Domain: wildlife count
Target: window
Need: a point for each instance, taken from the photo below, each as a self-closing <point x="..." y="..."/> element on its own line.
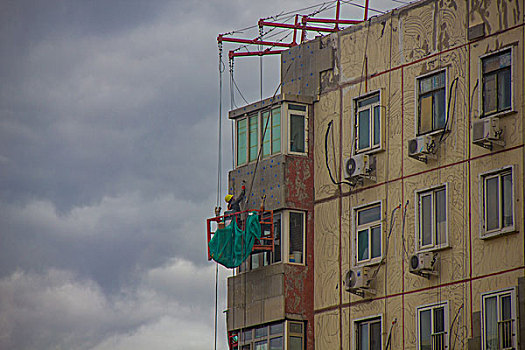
<point x="432" y="218"/>
<point x="497" y="202"/>
<point x="368" y="122"/>
<point x="297" y="128"/>
<point x="431" y="103"/>
<point x="368" y="334"/>
<point x="289" y="236"/>
<point x="295" y="336"/>
<point x="368" y="233"/>
<point x="272" y="337"/>
<point x="272" y="137"/>
<point x="296" y="238"/>
<point x="241" y="141"/>
<point x="499" y="320"/>
<point x="250" y="134"/>
<point x="247" y="139"/>
<point x="496" y="81"/>
<point x="253" y="137"/>
<point x="432" y="323"/>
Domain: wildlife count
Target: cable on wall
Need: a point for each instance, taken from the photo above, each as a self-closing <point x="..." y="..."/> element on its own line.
<point x="326" y="158"/>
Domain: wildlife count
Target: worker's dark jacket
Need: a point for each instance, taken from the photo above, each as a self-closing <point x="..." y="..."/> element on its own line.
<point x="235" y="203"/>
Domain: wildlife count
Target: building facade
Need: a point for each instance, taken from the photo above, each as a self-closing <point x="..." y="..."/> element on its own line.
<point x="393" y="160"/>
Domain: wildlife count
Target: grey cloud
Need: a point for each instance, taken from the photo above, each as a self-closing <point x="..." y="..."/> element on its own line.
<point x="108" y="168"/>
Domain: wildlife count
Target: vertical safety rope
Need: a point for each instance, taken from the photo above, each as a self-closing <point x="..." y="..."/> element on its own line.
<point x="261" y="33"/>
<point x="219" y="182"/>
<point x="232" y="103"/>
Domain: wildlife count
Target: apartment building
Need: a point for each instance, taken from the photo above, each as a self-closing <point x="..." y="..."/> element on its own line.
<point x="393" y="162"/>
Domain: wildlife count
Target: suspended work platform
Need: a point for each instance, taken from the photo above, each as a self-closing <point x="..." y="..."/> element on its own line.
<point x="233" y="237"/>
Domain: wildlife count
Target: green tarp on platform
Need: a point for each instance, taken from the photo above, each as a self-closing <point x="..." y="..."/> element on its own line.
<point x="231" y="246"/>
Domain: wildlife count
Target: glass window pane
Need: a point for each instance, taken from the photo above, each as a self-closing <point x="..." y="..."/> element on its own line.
<point x="426" y="220"/>
<point x="505" y="308"/>
<point x="276" y="343"/>
<point x="296" y="237"/>
<point x="363" y="337"/>
<point x="439" y="320"/>
<point x="277" y="237"/>
<point x="266" y="136"/>
<point x="491" y="203"/>
<point x="253" y="137"/>
<point x="377" y="125"/>
<point x="295" y="343"/>
<point x="489" y="93"/>
<point x="369" y="215"/>
<point x="368" y="100"/>
<point x="241" y="142"/>
<point x="255" y="259"/>
<point x="261" y="345"/>
<point x="504" y="89"/>
<point x="261" y="332"/>
<point x="506" y="191"/>
<point x="425" y="114"/>
<point x="276" y="130"/>
<point x="375" y="335"/>
<point x="438" y="80"/>
<point x="276" y="328"/>
<point x="293" y="107"/>
<point x="491" y="323"/>
<point x="491" y="64"/>
<point x="247" y="335"/>
<point x="297" y="133"/>
<point x="425" y="85"/>
<point x="441" y="216"/>
<point x="439" y="110"/>
<point x="362" y="245"/>
<point x="363" y="131"/>
<point x="424" y="330"/>
<point x="506" y="313"/>
<point x="296" y="327"/>
<point x="376" y="242"/>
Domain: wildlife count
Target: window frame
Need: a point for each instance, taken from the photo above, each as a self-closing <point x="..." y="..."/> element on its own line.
<point x="356" y="227"/>
<point x="483" y="114"/>
<point x="367" y="319"/>
<point x="513" y="308"/>
<point x="417" y="102"/>
<point x="267" y="258"/>
<point x="418" y="221"/>
<point x="372" y="147"/>
<point x="446" y="322"/>
<point x="304" y="114"/>
<point x="284" y="133"/>
<point x="285" y="334"/>
<point x="501" y="230"/>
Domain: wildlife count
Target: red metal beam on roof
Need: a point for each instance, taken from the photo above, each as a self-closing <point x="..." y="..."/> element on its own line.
<point x="222" y="38"/>
<point x="232" y="54"/>
<point x="333" y="21"/>
<point x="296" y="26"/>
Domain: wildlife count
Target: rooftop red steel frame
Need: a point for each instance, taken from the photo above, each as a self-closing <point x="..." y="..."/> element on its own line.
<point x="302" y="26"/>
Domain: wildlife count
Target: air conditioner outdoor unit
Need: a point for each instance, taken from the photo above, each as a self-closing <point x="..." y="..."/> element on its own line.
<point x="421" y="147"/>
<point x="357" y="280"/>
<point x="360" y="165"/>
<point x="424" y="264"/>
<point x="486" y="131"/>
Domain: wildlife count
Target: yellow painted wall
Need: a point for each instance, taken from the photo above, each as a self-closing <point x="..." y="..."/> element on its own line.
<point x="394" y="50"/>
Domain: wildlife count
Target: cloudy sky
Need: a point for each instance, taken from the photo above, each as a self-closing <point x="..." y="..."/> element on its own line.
<point x="108" y="167"/>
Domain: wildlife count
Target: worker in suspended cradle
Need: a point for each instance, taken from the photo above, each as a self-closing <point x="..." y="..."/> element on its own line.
<point x="234" y="204"/>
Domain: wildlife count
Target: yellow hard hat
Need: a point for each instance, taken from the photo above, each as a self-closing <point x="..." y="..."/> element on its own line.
<point x="228" y="198"/>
